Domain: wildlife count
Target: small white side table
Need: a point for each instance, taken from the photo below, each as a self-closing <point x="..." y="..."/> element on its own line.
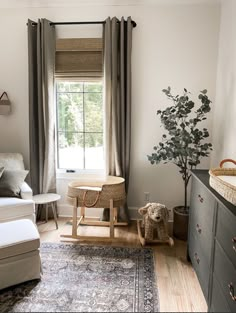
<point x="49" y="199"/>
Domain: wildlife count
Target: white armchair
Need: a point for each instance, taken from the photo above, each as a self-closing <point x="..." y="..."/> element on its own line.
<point x="16" y="208"/>
<point x="26" y="192"/>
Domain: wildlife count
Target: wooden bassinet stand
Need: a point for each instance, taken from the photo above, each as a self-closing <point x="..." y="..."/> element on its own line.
<point x="96" y="193"/>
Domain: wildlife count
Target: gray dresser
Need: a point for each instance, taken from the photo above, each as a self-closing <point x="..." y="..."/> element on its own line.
<point x="212" y="243"/>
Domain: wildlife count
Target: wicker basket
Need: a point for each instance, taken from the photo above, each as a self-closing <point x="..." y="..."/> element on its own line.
<point x="225" y="189"/>
<point x="97" y="193"/>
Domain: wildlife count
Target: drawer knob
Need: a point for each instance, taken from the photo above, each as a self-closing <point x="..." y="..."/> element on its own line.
<point x="200" y="198"/>
<point x="231" y="291"/>
<point x="199" y="230"/>
<point x="196" y="258"/>
<point x="234" y="241"/>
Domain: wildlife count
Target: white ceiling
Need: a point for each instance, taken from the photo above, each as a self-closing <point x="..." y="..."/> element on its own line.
<point x="75" y="3"/>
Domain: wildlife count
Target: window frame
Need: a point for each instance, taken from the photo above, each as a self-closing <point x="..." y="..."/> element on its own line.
<point x="62" y="172"/>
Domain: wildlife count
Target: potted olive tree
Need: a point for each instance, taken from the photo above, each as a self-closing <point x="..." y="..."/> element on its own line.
<point x="183" y="144"/>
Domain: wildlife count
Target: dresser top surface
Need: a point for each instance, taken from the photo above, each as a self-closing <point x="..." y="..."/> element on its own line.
<point x="203" y="176"/>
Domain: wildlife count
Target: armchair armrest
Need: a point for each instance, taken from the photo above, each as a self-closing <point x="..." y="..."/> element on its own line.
<point x="26" y="192"/>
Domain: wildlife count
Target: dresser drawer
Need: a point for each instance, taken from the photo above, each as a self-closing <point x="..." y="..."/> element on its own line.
<point x="203" y="237"/>
<point x="211" y="246"/>
<point x="200" y="263"/>
<point x="202" y="207"/>
<point x="218" y="301"/>
<point x="226" y="275"/>
<point x="226" y="232"/>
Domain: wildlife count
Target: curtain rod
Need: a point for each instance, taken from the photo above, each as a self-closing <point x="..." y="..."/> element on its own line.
<point x="75" y="23"/>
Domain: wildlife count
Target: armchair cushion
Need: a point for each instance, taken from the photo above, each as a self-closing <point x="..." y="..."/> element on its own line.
<point x="11" y="182"/>
<point x="15" y="208"/>
<point x="12" y="161"/>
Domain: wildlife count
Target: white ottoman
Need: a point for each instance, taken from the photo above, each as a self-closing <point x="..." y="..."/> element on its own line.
<point x="19" y="252"/>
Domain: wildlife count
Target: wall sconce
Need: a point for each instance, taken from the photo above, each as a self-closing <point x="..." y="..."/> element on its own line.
<point x="5" y="104"/>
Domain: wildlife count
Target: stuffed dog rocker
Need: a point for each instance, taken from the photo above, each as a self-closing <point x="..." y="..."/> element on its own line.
<point x="154" y="224"/>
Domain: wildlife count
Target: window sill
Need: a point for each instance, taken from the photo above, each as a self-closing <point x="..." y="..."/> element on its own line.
<point x="92" y="174"/>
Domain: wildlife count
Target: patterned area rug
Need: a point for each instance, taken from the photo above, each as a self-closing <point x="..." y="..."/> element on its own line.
<point x="88" y="279"/>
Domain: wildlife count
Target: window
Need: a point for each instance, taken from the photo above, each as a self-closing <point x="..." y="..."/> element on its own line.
<point x="79" y="125"/>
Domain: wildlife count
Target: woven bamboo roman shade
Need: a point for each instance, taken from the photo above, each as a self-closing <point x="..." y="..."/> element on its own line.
<point x="82" y="57"/>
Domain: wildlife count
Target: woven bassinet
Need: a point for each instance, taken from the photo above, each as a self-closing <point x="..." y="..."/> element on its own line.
<point x="225" y="189"/>
<point x="97" y="193"/>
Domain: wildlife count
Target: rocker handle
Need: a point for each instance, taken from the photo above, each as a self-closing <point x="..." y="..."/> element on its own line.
<point x="227" y="160"/>
<point x="94" y="203"/>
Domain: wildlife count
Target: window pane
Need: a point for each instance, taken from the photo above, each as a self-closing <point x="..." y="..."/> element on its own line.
<point x="70" y="111"/>
<point x="94" y="151"/>
<point x="92" y="87"/>
<point x="80" y="125"/>
<point x="70" y="150"/>
<point x="93" y="112"/>
<point x="69" y="87"/>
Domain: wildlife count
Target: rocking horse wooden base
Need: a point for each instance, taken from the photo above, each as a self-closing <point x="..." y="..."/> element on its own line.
<point x="143" y="241"/>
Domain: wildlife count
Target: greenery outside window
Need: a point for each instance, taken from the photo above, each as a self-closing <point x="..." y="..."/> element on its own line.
<point x="80" y="144"/>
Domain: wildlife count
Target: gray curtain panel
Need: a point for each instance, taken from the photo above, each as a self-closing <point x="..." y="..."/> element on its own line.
<point x="117" y="36"/>
<point x="41" y="51"/>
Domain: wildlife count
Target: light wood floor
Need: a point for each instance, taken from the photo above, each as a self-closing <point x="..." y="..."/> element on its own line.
<point x="178" y="286"/>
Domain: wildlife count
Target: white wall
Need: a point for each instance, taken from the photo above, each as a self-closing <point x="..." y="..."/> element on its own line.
<point x="177" y="46"/>
<point x="224" y="126"/>
<point x="174" y="44"/>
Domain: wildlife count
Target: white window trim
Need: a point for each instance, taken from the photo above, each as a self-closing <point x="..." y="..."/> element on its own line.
<point x="62" y="173"/>
<point x="78" y="174"/>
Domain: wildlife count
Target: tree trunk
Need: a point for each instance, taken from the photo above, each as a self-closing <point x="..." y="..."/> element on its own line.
<point x="185" y="194"/>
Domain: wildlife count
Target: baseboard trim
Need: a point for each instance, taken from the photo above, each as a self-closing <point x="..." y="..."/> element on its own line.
<point x="65" y="210"/>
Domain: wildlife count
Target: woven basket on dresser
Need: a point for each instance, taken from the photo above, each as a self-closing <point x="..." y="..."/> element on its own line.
<point x="225" y="189"/>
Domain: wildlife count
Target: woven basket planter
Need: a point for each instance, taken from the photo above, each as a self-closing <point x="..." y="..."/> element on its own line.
<point x="97" y="193"/>
<point x="225" y="189"/>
